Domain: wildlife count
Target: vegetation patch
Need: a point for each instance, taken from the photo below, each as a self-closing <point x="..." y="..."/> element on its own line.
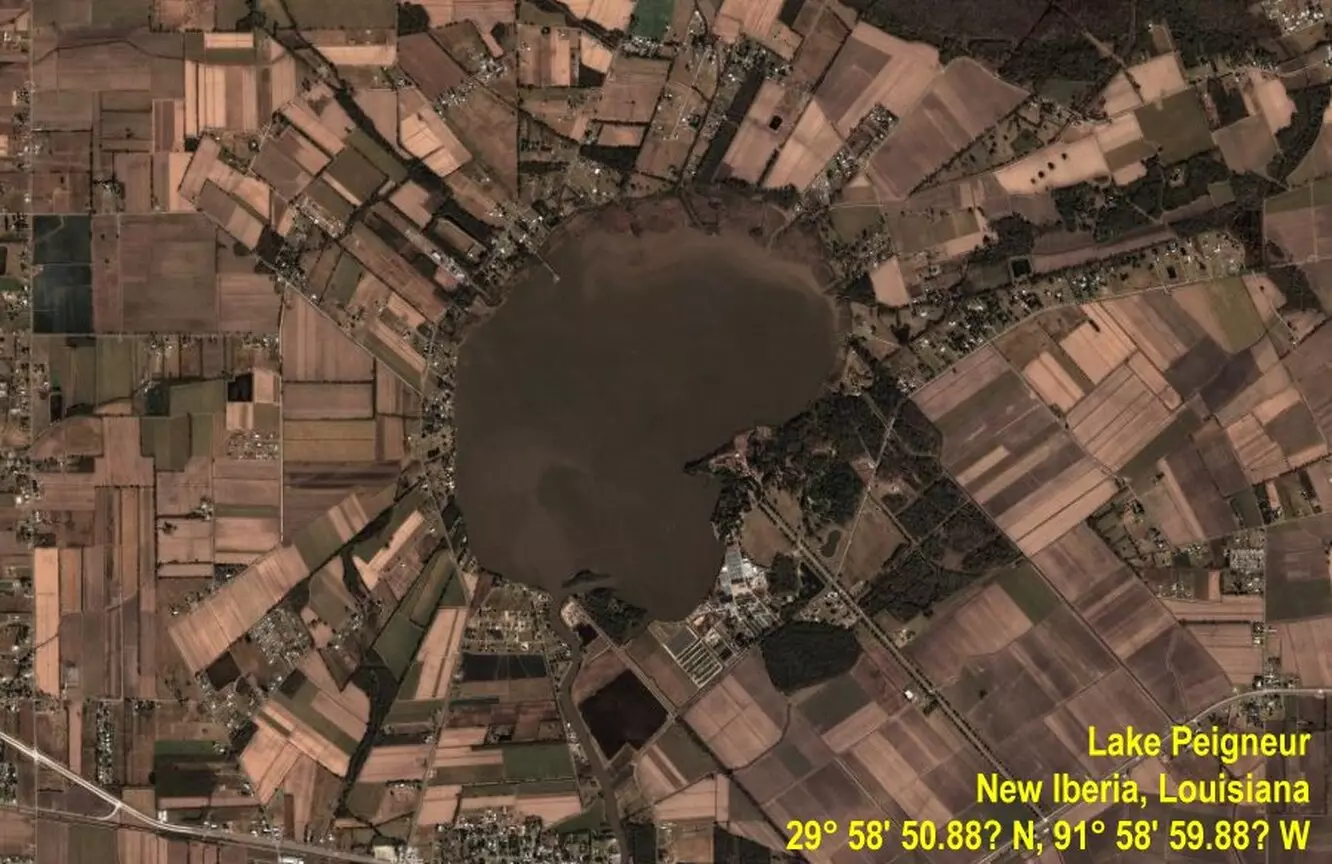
<point x="651" y="18"/>
<point x="1295" y="140"/>
<point x="619" y="619"/>
<point x="537" y="761"/>
<point x="799" y="654"/>
<point x="1028" y="590"/>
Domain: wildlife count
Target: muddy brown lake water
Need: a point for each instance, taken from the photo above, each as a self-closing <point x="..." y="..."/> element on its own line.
<point x="580" y="402"/>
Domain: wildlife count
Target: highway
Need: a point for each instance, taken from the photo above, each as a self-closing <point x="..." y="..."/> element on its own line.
<point x="1043" y="824"/>
<point x="278" y="845"/>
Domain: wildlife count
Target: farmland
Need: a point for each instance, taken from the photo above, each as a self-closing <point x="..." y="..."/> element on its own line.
<point x="1017" y="462"/>
<point x="834" y="748"/>
<point x="624" y="429"/>
<point x="241" y="529"/>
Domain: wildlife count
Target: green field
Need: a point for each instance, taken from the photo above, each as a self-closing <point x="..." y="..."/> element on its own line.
<point x="317" y="542"/>
<point x="398" y="641"/>
<point x="1234" y="310"/>
<point x="406" y="711"/>
<point x="1320" y="192"/>
<point x="590" y="819"/>
<point x="381" y="529"/>
<point x="537" y="761"/>
<point x="397" y="644"/>
<point x="857" y="213"/>
<point x="1028" y="590"/>
<point x="1177" y="125"/>
<point x="301" y="706"/>
<point x="409" y="683"/>
<point x="463" y="775"/>
<point x="652" y="18"/>
<point x="185" y="749"/>
<point x="1286" y="202"/>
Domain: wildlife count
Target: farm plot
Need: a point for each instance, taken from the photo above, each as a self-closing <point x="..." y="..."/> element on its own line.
<point x="741" y="717"/>
<point x="168" y="274"/>
<point x="1010" y="453"/>
<point x="960" y="104"/>
<point x="1026" y="685"/>
<point x="1166" y="659"/>
<point x="632" y="89"/>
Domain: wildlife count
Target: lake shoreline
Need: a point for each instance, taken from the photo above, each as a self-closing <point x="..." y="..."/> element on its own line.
<point x="637" y="345"/>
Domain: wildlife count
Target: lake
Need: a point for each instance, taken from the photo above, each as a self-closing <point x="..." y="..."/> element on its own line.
<point x="580" y="402"/>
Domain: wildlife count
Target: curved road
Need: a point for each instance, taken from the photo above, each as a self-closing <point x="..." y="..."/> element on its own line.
<point x="278" y="844"/>
<point x="572" y="716"/>
<point x="1042" y="825"/>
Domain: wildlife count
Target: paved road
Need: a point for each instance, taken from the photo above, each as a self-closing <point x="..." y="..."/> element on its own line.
<point x="1043" y="824"/>
<point x="572" y="716"/>
<point x="279" y="845"/>
<point x="816" y="564"/>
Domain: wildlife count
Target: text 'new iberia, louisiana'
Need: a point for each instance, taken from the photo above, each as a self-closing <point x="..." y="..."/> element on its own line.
<point x="1131" y="746"/>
